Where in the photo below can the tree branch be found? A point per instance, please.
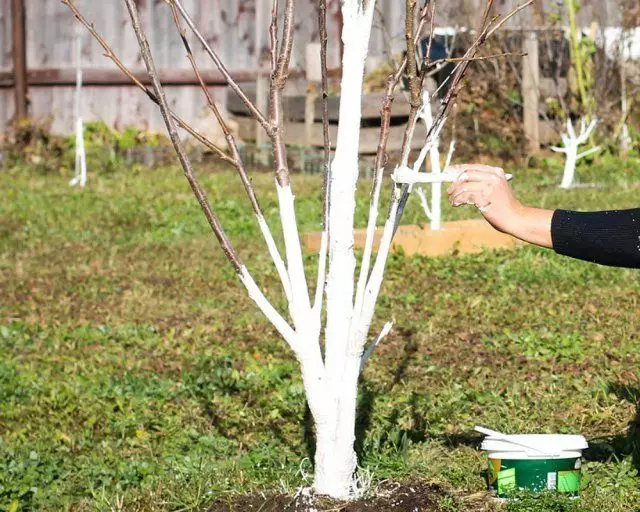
(110, 54)
(322, 264)
(255, 112)
(239, 164)
(281, 325)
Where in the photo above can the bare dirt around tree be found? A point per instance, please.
(391, 496)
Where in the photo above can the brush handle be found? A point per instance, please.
(408, 176)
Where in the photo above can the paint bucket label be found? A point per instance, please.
(508, 475)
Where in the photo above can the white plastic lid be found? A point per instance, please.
(536, 444)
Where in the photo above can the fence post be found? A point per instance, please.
(19, 59)
(531, 91)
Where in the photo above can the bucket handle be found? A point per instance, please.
(509, 439)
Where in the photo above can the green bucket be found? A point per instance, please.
(534, 462)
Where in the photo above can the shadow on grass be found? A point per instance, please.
(369, 393)
(417, 433)
(622, 445)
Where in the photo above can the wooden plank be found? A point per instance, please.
(531, 92)
(19, 58)
(113, 77)
(457, 237)
(295, 134)
(294, 106)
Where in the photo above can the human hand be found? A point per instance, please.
(486, 188)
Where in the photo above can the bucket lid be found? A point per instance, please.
(536, 444)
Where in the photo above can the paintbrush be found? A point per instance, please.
(407, 175)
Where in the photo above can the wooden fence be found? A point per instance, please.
(41, 62)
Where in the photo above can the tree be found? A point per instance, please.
(434, 213)
(330, 370)
(80, 176)
(571, 143)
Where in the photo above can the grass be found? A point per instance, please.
(136, 375)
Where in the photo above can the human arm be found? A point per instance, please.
(487, 188)
(607, 237)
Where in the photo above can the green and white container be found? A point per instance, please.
(535, 462)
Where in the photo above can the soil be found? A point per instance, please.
(395, 497)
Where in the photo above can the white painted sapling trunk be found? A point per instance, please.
(335, 458)
(571, 143)
(80, 176)
(433, 213)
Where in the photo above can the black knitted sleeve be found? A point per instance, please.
(608, 238)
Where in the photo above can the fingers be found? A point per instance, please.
(469, 193)
(460, 168)
(460, 185)
(476, 172)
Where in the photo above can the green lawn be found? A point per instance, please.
(136, 375)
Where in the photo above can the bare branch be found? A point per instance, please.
(255, 293)
(177, 143)
(239, 164)
(279, 73)
(284, 57)
(322, 23)
(255, 112)
(322, 264)
(110, 54)
(477, 58)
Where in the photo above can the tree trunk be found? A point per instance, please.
(335, 457)
(335, 428)
(569, 168)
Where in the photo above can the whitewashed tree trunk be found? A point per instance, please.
(335, 457)
(80, 176)
(571, 143)
(434, 213)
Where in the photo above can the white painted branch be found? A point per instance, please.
(372, 224)
(452, 148)
(436, 168)
(377, 274)
(275, 256)
(367, 354)
(269, 311)
(423, 202)
(344, 176)
(589, 152)
(299, 306)
(322, 274)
